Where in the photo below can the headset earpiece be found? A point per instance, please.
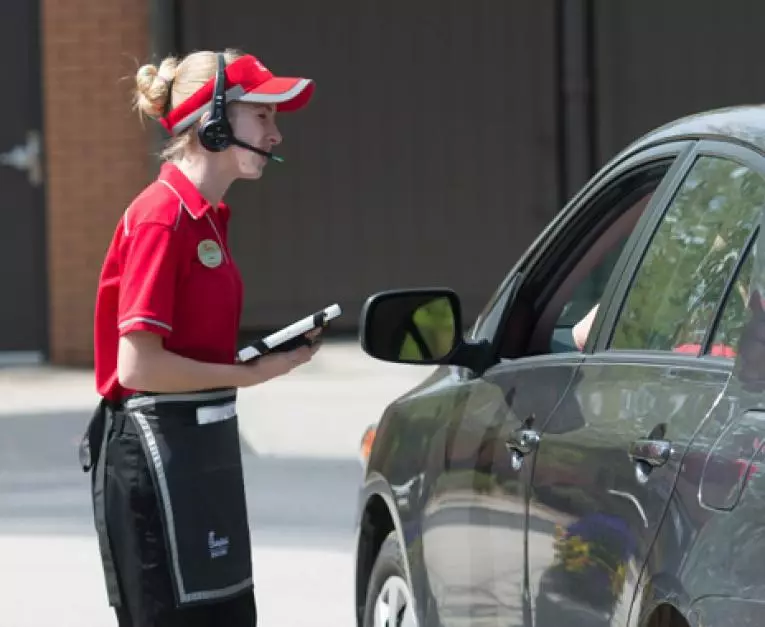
(215, 134)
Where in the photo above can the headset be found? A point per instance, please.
(216, 134)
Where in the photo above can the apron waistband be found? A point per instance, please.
(188, 408)
(140, 400)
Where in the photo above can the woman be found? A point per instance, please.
(168, 492)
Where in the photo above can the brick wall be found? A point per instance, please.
(97, 151)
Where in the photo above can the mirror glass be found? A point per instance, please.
(413, 328)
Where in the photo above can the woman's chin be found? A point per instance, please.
(251, 172)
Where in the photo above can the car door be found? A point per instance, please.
(712, 550)
(609, 457)
(474, 507)
(474, 519)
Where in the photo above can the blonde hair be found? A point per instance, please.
(160, 89)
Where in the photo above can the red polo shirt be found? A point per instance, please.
(168, 270)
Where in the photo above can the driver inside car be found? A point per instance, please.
(581, 329)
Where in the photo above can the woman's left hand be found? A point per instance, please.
(278, 364)
(314, 337)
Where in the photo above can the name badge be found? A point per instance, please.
(209, 253)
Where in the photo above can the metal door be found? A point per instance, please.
(22, 241)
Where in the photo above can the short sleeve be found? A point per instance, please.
(150, 264)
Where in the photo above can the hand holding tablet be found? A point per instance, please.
(290, 337)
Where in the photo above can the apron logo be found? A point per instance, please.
(209, 253)
(218, 546)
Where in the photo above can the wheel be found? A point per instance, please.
(389, 600)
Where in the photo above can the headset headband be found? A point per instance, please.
(218, 104)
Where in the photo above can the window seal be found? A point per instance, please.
(724, 297)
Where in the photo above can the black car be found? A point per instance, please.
(589, 451)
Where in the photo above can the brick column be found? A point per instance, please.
(97, 151)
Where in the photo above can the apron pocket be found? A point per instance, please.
(214, 537)
(197, 471)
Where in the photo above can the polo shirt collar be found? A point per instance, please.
(187, 192)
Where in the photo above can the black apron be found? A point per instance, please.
(191, 443)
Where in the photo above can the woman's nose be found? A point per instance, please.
(275, 137)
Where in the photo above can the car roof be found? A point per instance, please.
(743, 124)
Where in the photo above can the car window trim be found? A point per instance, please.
(534, 254)
(603, 180)
(616, 294)
(677, 150)
(654, 357)
(728, 288)
(613, 211)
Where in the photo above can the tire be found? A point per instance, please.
(389, 599)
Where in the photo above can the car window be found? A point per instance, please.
(589, 291)
(586, 296)
(568, 276)
(672, 300)
(591, 277)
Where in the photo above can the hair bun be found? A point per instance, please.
(153, 87)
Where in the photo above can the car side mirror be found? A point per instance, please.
(418, 326)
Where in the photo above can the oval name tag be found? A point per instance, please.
(209, 253)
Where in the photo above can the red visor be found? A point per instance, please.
(247, 80)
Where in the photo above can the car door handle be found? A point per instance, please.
(652, 452)
(524, 441)
(520, 444)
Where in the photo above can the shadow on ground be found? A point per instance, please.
(43, 489)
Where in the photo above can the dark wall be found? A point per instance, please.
(657, 61)
(445, 133)
(427, 157)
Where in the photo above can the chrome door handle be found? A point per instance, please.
(524, 441)
(521, 443)
(652, 452)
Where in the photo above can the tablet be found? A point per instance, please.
(290, 337)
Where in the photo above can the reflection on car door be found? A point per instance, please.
(474, 519)
(610, 455)
(606, 503)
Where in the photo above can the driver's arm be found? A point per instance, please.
(582, 328)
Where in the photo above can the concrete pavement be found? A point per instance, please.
(49, 581)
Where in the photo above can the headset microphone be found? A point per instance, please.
(265, 153)
(216, 134)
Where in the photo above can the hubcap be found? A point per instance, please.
(393, 606)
